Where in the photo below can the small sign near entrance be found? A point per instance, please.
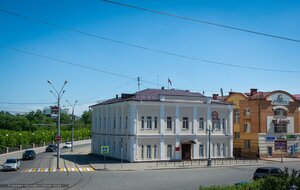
(280, 144)
(104, 150)
(57, 138)
(214, 115)
(177, 148)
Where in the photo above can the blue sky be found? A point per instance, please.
(23, 77)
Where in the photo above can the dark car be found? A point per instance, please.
(51, 148)
(29, 155)
(267, 171)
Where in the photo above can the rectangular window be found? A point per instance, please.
(105, 122)
(185, 123)
(155, 122)
(169, 151)
(236, 135)
(114, 122)
(114, 147)
(201, 150)
(142, 151)
(201, 123)
(224, 150)
(148, 151)
(155, 151)
(213, 149)
(120, 122)
(126, 122)
(280, 128)
(142, 122)
(218, 149)
(236, 116)
(169, 122)
(246, 143)
(247, 112)
(100, 123)
(149, 122)
(224, 123)
(247, 127)
(216, 125)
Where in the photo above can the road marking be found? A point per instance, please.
(44, 170)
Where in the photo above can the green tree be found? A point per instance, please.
(87, 117)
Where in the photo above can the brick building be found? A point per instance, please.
(265, 124)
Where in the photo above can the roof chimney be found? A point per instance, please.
(215, 96)
(253, 91)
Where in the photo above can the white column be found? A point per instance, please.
(195, 147)
(132, 149)
(195, 113)
(162, 148)
(177, 119)
(122, 120)
(132, 119)
(162, 119)
(230, 131)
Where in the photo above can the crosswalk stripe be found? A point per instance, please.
(43, 170)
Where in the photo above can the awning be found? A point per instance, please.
(188, 142)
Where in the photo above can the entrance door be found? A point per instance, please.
(270, 153)
(186, 151)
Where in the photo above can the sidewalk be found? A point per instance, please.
(163, 165)
(279, 159)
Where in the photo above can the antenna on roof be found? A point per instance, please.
(139, 84)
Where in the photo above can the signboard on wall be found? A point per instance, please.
(104, 150)
(270, 138)
(280, 144)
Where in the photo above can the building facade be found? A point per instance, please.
(265, 124)
(159, 124)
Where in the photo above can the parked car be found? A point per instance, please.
(68, 145)
(51, 148)
(29, 155)
(267, 171)
(11, 164)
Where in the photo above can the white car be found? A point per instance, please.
(11, 164)
(68, 145)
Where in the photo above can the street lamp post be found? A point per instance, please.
(73, 122)
(209, 130)
(58, 95)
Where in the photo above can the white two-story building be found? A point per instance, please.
(160, 124)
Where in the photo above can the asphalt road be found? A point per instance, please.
(181, 179)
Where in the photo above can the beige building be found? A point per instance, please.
(159, 124)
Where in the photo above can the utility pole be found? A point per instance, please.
(73, 123)
(139, 83)
(58, 95)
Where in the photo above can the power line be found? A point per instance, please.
(25, 103)
(130, 45)
(202, 21)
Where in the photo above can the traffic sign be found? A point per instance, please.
(57, 138)
(104, 150)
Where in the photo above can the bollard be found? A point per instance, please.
(7, 149)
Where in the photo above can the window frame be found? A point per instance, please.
(185, 123)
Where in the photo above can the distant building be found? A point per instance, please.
(265, 124)
(160, 124)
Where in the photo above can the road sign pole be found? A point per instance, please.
(104, 162)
